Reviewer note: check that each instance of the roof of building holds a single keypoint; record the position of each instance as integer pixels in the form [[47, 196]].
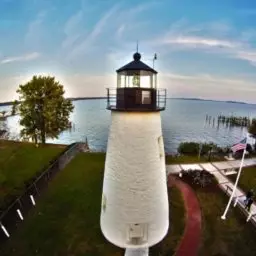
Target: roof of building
[[136, 64]]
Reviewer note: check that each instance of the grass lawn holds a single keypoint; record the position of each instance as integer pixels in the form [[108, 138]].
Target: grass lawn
[[234, 236], [66, 219], [247, 179], [19, 162], [189, 159]]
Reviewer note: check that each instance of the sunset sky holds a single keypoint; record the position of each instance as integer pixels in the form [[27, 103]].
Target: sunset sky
[[206, 49]]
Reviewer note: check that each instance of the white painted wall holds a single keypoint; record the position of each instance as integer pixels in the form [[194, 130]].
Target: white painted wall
[[135, 187], [136, 252]]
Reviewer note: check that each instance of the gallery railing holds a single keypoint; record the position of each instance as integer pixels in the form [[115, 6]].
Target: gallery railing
[[161, 95]]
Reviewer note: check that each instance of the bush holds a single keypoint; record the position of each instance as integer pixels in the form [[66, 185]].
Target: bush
[[199, 179], [192, 148], [207, 147]]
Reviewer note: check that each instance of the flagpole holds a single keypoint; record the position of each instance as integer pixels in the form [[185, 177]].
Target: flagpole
[[237, 179]]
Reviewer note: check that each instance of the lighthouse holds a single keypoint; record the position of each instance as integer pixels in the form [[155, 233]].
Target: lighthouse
[[135, 210]]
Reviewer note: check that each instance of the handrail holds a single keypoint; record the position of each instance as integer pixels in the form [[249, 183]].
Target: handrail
[[112, 97], [250, 215]]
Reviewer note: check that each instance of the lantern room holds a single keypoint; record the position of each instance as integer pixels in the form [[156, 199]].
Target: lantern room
[[136, 88], [136, 74]]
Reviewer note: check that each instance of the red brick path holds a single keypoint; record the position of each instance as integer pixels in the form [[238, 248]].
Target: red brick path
[[190, 241]]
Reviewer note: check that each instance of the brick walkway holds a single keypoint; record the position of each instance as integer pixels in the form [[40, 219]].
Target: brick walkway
[[190, 241]]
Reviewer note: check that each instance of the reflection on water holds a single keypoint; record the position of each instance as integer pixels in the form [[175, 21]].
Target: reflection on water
[[183, 120]]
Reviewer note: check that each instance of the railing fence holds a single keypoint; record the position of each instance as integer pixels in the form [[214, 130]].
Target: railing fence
[[17, 210]]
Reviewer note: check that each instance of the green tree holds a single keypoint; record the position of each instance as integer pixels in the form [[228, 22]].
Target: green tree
[[43, 109], [15, 107], [252, 130]]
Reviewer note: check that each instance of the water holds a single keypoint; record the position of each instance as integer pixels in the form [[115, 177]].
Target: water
[[183, 120]]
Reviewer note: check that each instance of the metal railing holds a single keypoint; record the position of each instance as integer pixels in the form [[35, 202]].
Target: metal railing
[[250, 215], [161, 95], [18, 209], [111, 97]]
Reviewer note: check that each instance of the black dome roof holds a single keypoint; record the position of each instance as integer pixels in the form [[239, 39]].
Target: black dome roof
[[136, 64], [136, 56]]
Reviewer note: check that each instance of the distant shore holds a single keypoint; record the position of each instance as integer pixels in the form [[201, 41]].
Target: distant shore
[[9, 103]]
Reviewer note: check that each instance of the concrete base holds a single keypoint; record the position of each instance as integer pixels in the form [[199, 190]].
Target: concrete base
[[229, 171], [229, 158], [136, 252]]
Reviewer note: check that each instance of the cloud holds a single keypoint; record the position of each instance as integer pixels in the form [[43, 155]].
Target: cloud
[[12, 83], [22, 58], [214, 34], [71, 29], [208, 87], [210, 79], [139, 8], [78, 84], [116, 23], [120, 30], [84, 46], [247, 55], [211, 38], [34, 30], [198, 42]]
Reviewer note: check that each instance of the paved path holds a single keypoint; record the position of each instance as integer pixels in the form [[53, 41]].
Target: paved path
[[190, 241], [136, 252], [224, 182]]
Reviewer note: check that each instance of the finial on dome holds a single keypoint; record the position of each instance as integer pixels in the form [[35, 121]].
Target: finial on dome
[[136, 56]]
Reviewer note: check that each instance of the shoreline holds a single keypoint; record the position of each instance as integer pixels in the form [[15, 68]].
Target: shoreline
[[10, 103]]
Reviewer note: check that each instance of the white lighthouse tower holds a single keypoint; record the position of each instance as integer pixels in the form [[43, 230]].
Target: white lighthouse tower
[[135, 211]]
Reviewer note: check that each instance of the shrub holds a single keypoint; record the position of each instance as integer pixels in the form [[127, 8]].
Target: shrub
[[199, 179], [193, 148], [207, 147], [188, 148]]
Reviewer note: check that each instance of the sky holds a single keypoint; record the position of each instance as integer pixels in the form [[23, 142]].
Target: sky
[[205, 49]]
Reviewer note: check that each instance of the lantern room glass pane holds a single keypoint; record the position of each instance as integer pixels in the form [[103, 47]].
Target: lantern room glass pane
[[145, 82], [136, 79], [122, 81]]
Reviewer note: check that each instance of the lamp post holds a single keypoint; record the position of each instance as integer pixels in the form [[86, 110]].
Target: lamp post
[[155, 58], [200, 150], [209, 156]]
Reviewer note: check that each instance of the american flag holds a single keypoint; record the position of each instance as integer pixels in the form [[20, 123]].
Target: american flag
[[241, 145]]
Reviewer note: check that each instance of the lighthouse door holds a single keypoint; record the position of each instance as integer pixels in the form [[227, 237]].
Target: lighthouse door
[[136, 233]]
